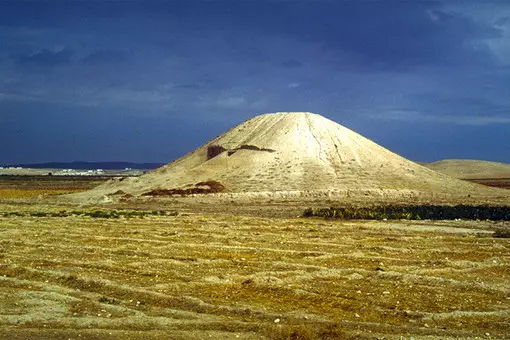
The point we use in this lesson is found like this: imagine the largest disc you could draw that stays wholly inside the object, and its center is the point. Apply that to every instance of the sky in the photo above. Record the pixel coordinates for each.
(149, 81)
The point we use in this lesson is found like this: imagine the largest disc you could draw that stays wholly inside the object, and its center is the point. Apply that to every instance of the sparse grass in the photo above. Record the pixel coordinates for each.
(303, 331)
(29, 187)
(11, 193)
(223, 275)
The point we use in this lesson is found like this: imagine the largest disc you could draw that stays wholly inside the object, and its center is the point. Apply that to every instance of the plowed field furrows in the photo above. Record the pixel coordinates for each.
(223, 276)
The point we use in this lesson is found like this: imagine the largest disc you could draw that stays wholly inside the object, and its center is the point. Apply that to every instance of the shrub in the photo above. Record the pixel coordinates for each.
(501, 234)
(109, 301)
(415, 212)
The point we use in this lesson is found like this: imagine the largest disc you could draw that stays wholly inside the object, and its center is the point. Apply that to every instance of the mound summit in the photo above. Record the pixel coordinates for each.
(289, 154)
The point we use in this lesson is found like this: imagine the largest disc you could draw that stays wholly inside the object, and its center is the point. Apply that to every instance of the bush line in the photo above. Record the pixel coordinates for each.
(92, 214)
(414, 212)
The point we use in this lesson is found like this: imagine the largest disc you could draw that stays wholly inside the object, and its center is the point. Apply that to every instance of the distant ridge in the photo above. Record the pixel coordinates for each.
(89, 165)
(470, 169)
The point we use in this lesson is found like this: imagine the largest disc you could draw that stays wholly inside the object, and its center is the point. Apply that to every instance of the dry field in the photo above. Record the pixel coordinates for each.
(26, 186)
(503, 183)
(223, 276)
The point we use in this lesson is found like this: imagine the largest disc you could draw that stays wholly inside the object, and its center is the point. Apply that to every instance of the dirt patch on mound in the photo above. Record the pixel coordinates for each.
(249, 147)
(207, 187)
(214, 150)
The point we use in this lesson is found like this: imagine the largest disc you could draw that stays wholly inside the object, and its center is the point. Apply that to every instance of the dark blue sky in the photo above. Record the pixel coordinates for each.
(149, 81)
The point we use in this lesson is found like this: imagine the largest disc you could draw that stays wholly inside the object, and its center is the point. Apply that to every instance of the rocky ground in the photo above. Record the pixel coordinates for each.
(189, 269)
(203, 275)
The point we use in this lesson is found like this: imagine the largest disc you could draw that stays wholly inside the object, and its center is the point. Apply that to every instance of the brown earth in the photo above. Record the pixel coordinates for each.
(503, 183)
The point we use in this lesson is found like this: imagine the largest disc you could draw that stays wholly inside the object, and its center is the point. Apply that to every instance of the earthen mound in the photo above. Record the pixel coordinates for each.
(291, 154)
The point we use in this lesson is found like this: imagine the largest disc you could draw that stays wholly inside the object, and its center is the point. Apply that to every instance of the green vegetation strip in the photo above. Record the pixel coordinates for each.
(414, 212)
(93, 213)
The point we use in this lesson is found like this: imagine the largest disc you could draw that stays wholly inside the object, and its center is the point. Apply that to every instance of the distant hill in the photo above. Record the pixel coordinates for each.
(297, 156)
(470, 169)
(90, 165)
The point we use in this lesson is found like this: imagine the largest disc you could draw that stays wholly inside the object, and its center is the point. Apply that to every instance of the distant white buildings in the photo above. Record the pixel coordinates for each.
(74, 172)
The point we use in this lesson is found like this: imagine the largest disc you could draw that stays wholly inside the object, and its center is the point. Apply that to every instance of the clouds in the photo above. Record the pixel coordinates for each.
(359, 63)
(291, 63)
(107, 57)
(413, 117)
(232, 44)
(44, 58)
(374, 35)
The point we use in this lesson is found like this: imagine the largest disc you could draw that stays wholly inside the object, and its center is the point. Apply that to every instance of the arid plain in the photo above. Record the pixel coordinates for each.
(193, 251)
(80, 272)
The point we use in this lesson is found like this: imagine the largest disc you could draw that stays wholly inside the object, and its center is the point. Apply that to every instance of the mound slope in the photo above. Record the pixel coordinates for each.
(289, 154)
(470, 169)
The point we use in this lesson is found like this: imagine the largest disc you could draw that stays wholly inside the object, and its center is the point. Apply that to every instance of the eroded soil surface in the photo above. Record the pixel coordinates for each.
(202, 275)
(503, 183)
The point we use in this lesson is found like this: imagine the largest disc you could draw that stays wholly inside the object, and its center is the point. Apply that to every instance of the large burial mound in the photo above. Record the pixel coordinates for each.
(471, 169)
(290, 155)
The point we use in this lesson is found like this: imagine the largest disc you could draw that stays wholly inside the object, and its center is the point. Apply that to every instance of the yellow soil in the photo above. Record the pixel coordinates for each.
(223, 276)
